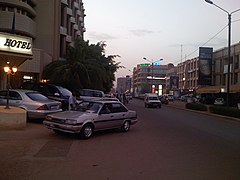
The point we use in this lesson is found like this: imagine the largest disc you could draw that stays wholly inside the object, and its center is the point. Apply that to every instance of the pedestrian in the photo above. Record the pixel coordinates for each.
(73, 101)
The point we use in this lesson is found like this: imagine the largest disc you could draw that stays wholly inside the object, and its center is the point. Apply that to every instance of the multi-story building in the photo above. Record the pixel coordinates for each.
(124, 84)
(220, 68)
(187, 73)
(150, 78)
(52, 25)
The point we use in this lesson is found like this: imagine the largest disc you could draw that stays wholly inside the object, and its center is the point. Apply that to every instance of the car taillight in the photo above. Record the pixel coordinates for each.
(44, 107)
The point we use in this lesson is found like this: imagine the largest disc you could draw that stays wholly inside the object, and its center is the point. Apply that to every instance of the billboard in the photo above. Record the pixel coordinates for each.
(205, 66)
(174, 82)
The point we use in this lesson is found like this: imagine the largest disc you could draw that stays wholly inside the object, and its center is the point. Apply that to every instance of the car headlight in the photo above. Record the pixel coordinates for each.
(70, 121)
(48, 118)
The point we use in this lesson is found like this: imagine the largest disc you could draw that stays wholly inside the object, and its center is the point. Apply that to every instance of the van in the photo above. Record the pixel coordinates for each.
(152, 100)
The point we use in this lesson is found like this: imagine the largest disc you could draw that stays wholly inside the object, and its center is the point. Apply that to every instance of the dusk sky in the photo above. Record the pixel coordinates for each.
(156, 29)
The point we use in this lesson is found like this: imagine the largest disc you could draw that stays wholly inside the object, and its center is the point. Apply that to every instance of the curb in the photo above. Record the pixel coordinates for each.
(204, 112)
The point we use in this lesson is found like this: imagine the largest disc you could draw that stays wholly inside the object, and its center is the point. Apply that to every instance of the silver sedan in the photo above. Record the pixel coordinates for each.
(92, 116)
(36, 104)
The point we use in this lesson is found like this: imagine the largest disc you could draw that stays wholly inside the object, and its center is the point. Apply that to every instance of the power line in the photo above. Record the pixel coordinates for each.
(208, 40)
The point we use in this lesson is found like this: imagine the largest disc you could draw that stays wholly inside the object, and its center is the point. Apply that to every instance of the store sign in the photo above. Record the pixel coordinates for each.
(145, 64)
(15, 44)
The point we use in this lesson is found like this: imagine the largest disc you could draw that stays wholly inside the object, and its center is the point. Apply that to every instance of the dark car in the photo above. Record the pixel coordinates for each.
(163, 99)
(52, 91)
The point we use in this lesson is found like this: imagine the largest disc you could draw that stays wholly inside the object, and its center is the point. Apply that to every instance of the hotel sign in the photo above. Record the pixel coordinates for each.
(15, 44)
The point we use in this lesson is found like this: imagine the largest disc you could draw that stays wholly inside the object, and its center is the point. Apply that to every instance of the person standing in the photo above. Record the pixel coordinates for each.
(73, 101)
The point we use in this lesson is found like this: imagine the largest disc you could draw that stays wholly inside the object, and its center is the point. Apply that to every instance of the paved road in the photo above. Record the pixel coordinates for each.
(167, 143)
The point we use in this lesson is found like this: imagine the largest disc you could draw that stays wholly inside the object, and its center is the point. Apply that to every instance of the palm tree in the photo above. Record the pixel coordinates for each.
(86, 66)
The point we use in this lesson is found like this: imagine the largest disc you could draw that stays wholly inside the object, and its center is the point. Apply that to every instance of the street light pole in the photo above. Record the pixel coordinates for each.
(229, 46)
(152, 62)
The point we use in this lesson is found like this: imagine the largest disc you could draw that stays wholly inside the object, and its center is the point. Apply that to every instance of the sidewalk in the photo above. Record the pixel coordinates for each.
(181, 105)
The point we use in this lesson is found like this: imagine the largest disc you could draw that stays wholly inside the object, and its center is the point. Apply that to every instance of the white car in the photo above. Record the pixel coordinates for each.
(152, 100)
(219, 101)
(92, 116)
(36, 104)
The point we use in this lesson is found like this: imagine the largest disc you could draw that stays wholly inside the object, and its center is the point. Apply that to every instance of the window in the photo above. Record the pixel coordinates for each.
(235, 78)
(117, 108)
(3, 94)
(14, 95)
(236, 62)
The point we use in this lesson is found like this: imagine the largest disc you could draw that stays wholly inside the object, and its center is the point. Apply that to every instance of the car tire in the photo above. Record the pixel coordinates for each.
(86, 131)
(57, 131)
(126, 126)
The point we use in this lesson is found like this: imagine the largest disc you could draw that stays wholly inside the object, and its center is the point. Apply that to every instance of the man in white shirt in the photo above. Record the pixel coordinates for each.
(73, 101)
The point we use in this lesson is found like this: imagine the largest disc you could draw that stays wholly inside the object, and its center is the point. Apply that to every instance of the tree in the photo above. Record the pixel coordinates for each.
(86, 66)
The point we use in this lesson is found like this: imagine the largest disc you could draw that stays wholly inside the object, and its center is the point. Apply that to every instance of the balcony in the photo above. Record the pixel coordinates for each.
(72, 20)
(69, 39)
(69, 12)
(63, 31)
(64, 2)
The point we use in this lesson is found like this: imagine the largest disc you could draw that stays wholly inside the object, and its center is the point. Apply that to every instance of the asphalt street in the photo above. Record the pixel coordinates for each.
(167, 143)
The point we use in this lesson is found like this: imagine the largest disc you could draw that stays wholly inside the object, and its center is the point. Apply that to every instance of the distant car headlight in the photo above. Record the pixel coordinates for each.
(71, 121)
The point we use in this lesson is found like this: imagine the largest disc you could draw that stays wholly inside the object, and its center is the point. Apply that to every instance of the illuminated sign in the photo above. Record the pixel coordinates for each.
(146, 64)
(159, 78)
(156, 63)
(15, 44)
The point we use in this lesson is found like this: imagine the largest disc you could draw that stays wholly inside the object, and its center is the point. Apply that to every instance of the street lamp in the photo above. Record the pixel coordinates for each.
(152, 62)
(229, 45)
(9, 71)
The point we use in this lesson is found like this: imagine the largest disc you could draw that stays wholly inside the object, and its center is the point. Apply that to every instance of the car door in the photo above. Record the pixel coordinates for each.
(15, 99)
(105, 117)
(119, 113)
(3, 97)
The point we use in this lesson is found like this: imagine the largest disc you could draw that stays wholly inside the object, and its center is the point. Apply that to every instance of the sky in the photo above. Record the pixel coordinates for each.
(159, 29)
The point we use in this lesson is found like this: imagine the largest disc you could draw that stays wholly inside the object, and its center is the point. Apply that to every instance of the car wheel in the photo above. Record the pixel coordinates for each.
(57, 131)
(86, 131)
(126, 126)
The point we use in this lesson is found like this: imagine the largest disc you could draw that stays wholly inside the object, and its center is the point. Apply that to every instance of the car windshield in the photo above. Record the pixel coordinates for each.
(36, 96)
(65, 92)
(88, 106)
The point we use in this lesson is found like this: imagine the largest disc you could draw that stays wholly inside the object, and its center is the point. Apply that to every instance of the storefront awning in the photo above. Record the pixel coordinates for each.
(218, 89)
(14, 58)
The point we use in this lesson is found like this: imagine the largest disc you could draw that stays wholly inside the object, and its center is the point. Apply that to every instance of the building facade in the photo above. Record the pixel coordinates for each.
(52, 25)
(124, 84)
(150, 78)
(187, 73)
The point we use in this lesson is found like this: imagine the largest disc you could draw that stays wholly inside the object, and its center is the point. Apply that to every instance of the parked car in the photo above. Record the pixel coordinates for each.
(52, 91)
(92, 116)
(170, 97)
(163, 99)
(219, 101)
(36, 104)
(152, 100)
(88, 94)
